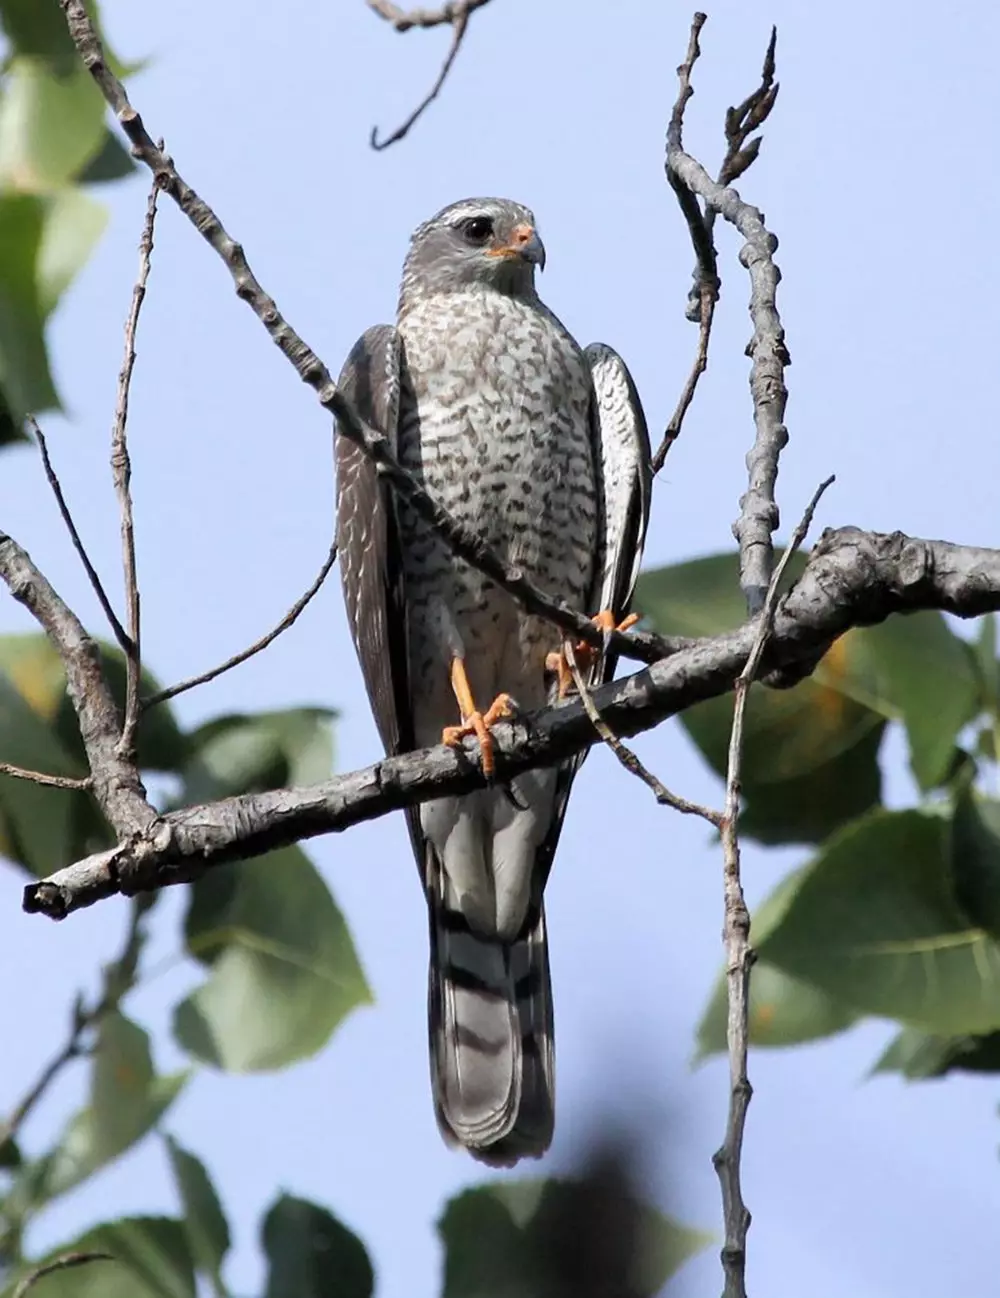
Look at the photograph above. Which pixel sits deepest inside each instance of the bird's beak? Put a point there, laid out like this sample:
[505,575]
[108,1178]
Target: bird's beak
[524,243]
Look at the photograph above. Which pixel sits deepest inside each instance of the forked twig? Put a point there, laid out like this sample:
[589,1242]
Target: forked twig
[739,954]
[41,777]
[121,473]
[272,635]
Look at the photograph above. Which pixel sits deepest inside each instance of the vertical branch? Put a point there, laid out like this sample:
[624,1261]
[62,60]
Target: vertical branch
[121,472]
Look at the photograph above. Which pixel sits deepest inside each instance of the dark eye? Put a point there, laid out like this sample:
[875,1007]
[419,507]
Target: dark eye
[477,229]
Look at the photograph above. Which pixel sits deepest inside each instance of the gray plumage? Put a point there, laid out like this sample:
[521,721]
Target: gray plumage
[542,448]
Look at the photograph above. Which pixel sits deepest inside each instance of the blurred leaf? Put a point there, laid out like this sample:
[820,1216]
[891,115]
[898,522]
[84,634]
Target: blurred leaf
[873,921]
[919,1056]
[24,367]
[50,126]
[112,161]
[508,1238]
[284,971]
[975,859]
[271,750]
[73,224]
[10,1154]
[312,1255]
[151,1260]
[204,1221]
[38,27]
[985,649]
[11,430]
[701,597]
[126,1100]
[784,1011]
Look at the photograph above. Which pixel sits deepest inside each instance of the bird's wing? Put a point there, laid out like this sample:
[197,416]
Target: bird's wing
[622,445]
[368,539]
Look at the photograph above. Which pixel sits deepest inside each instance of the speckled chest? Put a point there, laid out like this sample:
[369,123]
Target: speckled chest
[498,428]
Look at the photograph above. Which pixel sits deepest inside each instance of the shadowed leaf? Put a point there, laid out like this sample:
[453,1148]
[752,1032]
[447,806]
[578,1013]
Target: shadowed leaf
[312,1255]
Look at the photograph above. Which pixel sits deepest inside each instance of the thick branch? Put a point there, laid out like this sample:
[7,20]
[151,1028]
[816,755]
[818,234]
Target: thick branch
[312,371]
[853,578]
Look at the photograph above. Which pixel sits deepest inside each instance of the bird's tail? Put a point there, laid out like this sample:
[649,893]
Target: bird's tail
[491,1041]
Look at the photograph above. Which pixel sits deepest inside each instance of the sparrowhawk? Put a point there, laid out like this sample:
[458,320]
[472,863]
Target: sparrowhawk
[542,449]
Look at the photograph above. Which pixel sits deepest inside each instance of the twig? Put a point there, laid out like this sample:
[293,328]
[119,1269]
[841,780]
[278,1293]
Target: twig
[59,1264]
[121,472]
[311,370]
[627,757]
[40,777]
[707,298]
[459,23]
[255,648]
[403,19]
[739,955]
[120,634]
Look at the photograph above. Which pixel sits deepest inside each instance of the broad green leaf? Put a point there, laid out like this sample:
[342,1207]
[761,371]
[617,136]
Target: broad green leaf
[38,27]
[985,649]
[873,921]
[24,366]
[126,1100]
[928,675]
[150,1260]
[112,161]
[204,1221]
[73,224]
[532,1239]
[312,1255]
[50,126]
[11,429]
[975,858]
[269,750]
[700,597]
[918,1055]
[284,971]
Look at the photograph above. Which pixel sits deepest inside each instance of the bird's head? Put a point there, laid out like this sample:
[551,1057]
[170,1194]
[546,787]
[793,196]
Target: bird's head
[491,242]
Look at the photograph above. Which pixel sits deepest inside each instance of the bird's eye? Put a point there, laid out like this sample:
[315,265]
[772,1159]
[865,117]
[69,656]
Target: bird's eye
[477,229]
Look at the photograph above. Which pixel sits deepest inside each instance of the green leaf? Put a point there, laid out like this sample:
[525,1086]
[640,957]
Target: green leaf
[24,366]
[126,1100]
[50,126]
[701,597]
[150,1260]
[284,971]
[204,1221]
[975,858]
[532,1239]
[38,27]
[112,161]
[312,1255]
[918,1055]
[784,1011]
[928,676]
[270,750]
[73,224]
[985,649]
[873,921]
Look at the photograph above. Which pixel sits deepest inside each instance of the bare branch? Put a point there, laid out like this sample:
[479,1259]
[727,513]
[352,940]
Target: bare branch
[256,647]
[116,782]
[120,634]
[739,954]
[40,777]
[853,578]
[311,370]
[121,472]
[708,295]
[459,23]
[61,1263]
[403,19]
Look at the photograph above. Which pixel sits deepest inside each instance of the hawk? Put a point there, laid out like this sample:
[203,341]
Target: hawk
[541,447]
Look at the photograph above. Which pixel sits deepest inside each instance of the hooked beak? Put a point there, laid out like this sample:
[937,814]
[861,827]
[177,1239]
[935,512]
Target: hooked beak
[524,243]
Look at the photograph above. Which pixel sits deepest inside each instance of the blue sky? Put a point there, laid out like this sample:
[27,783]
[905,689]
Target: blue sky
[877,175]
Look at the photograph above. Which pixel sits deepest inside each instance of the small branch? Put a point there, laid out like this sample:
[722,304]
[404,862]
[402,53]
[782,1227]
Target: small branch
[627,757]
[116,782]
[402,20]
[121,472]
[739,954]
[852,578]
[255,648]
[459,23]
[61,1263]
[707,298]
[311,370]
[120,634]
[39,777]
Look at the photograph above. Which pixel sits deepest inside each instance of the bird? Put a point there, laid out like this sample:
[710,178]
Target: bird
[541,448]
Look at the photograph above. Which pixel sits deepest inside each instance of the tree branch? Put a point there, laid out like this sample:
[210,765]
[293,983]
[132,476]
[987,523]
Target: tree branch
[403,19]
[311,370]
[853,578]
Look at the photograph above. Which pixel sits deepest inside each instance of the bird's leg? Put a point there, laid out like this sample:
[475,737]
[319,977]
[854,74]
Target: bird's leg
[583,652]
[475,722]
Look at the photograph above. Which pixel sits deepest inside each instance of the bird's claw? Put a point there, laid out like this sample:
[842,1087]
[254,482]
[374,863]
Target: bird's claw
[584,653]
[478,724]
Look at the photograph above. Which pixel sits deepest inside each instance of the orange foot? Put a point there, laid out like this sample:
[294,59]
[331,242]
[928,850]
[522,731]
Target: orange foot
[475,722]
[583,652]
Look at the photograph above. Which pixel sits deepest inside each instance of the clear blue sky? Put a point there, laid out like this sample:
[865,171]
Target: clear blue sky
[878,175]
